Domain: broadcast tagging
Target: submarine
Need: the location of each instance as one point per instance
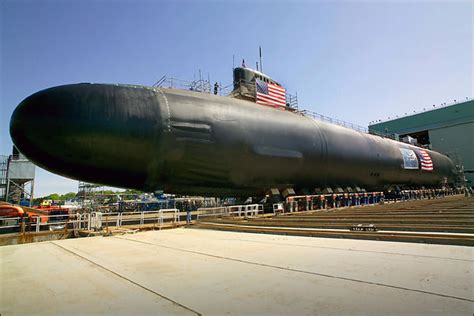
(189, 142)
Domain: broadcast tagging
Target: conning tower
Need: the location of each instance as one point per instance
(245, 83)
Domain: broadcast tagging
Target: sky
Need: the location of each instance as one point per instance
(355, 61)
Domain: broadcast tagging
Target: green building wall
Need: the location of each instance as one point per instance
(450, 130)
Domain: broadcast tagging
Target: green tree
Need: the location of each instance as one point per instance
(54, 197)
(68, 196)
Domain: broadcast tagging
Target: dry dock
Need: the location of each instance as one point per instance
(448, 220)
(190, 271)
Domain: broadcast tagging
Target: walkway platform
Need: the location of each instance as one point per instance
(195, 271)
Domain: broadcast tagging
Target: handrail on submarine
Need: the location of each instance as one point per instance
(160, 81)
(334, 121)
(200, 85)
(203, 85)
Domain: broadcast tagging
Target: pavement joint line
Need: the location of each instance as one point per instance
(301, 271)
(126, 279)
(336, 248)
(339, 230)
(350, 249)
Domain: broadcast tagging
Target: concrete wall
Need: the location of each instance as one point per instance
(29, 237)
(457, 142)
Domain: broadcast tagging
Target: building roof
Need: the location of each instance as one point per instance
(457, 113)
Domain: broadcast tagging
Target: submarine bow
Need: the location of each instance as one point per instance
(91, 132)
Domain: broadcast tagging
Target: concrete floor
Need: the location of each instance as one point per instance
(188, 271)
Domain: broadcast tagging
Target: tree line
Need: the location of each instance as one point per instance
(71, 195)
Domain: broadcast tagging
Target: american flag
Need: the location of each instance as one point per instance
(270, 94)
(426, 162)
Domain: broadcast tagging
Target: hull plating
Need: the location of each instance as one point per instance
(194, 143)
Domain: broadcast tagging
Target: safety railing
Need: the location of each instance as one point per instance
(246, 210)
(346, 199)
(8, 223)
(35, 223)
(98, 220)
(200, 85)
(247, 89)
(333, 200)
(226, 90)
(334, 121)
(212, 212)
(292, 100)
(90, 221)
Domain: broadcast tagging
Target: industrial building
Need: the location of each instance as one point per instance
(448, 129)
(17, 177)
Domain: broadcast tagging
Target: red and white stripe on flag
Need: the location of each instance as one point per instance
(270, 94)
(426, 162)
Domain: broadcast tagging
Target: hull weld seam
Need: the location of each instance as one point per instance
(168, 125)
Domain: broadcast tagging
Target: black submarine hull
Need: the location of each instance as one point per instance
(188, 142)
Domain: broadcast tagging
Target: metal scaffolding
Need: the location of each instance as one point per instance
(86, 193)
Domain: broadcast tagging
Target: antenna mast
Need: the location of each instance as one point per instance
(260, 51)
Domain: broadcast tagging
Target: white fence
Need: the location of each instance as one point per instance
(90, 221)
(96, 221)
(53, 222)
(249, 210)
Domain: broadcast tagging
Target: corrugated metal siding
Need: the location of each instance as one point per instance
(458, 143)
(442, 117)
(450, 129)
